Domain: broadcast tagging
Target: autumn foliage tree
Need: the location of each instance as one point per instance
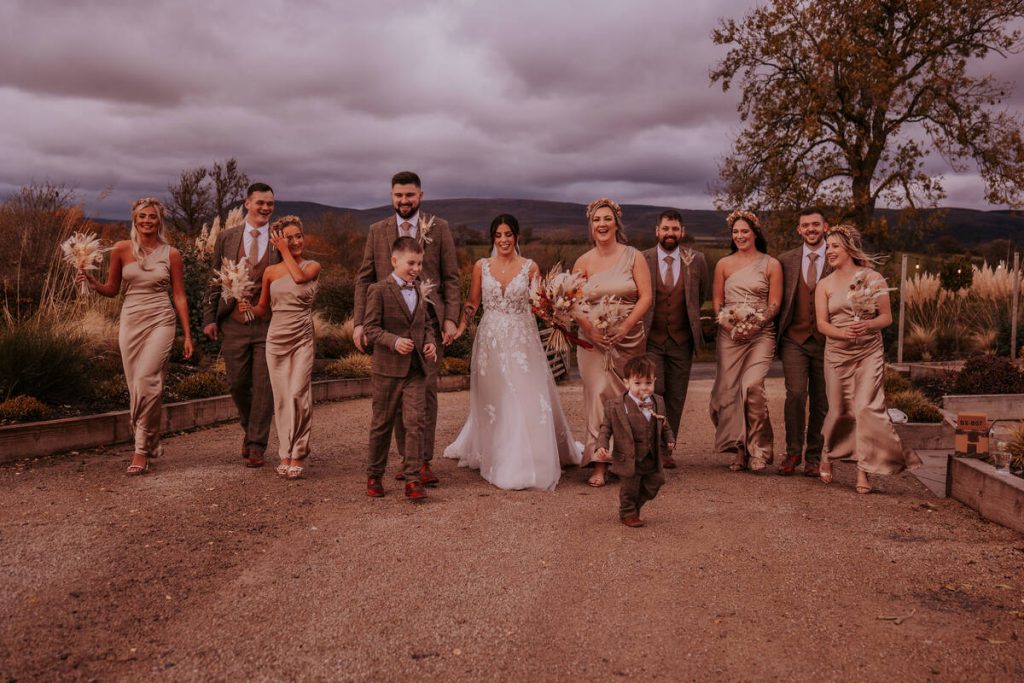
(844, 101)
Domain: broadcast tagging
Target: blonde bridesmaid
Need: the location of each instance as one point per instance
(856, 306)
(149, 265)
(289, 289)
(748, 279)
(612, 268)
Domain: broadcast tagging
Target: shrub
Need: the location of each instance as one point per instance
(178, 348)
(332, 340)
(463, 346)
(335, 297)
(454, 366)
(23, 409)
(352, 366)
(203, 384)
(957, 273)
(111, 390)
(989, 374)
(895, 382)
(914, 403)
(935, 385)
(39, 359)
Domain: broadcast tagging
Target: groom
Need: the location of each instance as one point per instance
(802, 347)
(680, 281)
(440, 266)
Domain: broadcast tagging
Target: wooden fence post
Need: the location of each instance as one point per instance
(1015, 306)
(903, 306)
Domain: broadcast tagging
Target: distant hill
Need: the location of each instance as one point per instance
(554, 220)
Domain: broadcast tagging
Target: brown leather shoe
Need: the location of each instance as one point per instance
(254, 459)
(427, 477)
(415, 491)
(789, 465)
(812, 469)
(633, 522)
(245, 449)
(668, 463)
(374, 487)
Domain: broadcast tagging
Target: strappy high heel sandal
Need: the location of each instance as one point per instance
(826, 477)
(135, 470)
(282, 469)
(294, 471)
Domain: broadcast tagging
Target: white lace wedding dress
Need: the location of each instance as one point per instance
(516, 433)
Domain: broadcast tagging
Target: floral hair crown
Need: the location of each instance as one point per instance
(149, 201)
(604, 201)
(748, 216)
(848, 231)
(285, 221)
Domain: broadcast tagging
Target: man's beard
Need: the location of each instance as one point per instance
(668, 243)
(409, 212)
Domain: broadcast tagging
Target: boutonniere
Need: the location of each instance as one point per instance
(687, 256)
(424, 229)
(426, 289)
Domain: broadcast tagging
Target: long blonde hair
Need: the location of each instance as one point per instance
(161, 237)
(850, 239)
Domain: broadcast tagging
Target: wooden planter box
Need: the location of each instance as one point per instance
(926, 436)
(996, 497)
(35, 439)
(993, 406)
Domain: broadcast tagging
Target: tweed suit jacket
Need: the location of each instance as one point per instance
(617, 427)
(791, 273)
(215, 308)
(696, 288)
(387, 319)
(440, 266)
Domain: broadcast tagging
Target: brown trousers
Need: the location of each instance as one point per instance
(244, 349)
(429, 431)
(404, 398)
(672, 363)
(641, 487)
(803, 366)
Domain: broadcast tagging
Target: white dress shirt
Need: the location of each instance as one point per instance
(409, 295)
(819, 265)
(264, 239)
(413, 219)
(663, 267)
(646, 411)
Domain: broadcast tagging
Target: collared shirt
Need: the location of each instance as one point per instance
(819, 265)
(264, 239)
(663, 267)
(414, 220)
(409, 295)
(646, 411)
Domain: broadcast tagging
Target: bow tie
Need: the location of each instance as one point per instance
(408, 285)
(647, 403)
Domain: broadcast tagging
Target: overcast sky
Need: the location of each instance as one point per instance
(325, 99)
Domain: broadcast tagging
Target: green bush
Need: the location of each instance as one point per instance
(352, 366)
(111, 390)
(38, 359)
(203, 384)
(335, 296)
(989, 374)
(23, 409)
(455, 366)
(957, 273)
(895, 382)
(915, 405)
(935, 386)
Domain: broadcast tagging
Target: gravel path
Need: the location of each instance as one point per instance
(204, 570)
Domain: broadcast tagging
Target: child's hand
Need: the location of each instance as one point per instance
(430, 351)
(602, 454)
(404, 346)
(671, 446)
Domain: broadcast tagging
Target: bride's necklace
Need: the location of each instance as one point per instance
(503, 267)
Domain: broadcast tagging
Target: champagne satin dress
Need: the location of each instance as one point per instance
(599, 382)
(739, 403)
(290, 354)
(857, 425)
(145, 338)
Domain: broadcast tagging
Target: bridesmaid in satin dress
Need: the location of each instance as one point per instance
(857, 425)
(739, 403)
(149, 265)
(289, 289)
(612, 268)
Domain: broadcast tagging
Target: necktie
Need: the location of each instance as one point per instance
(812, 270)
(254, 247)
(406, 229)
(670, 275)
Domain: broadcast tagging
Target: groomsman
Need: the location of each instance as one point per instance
(244, 344)
(440, 266)
(802, 347)
(681, 283)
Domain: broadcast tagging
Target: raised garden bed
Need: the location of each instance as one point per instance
(926, 436)
(35, 439)
(996, 497)
(993, 406)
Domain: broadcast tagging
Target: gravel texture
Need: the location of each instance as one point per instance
(205, 570)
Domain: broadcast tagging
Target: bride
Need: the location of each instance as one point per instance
(516, 432)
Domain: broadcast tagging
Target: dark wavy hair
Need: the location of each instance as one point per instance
(505, 219)
(760, 243)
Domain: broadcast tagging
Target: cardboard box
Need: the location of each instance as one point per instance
(971, 436)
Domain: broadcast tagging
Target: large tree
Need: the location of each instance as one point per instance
(844, 101)
(191, 204)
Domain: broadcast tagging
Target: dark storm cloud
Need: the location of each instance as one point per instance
(325, 100)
